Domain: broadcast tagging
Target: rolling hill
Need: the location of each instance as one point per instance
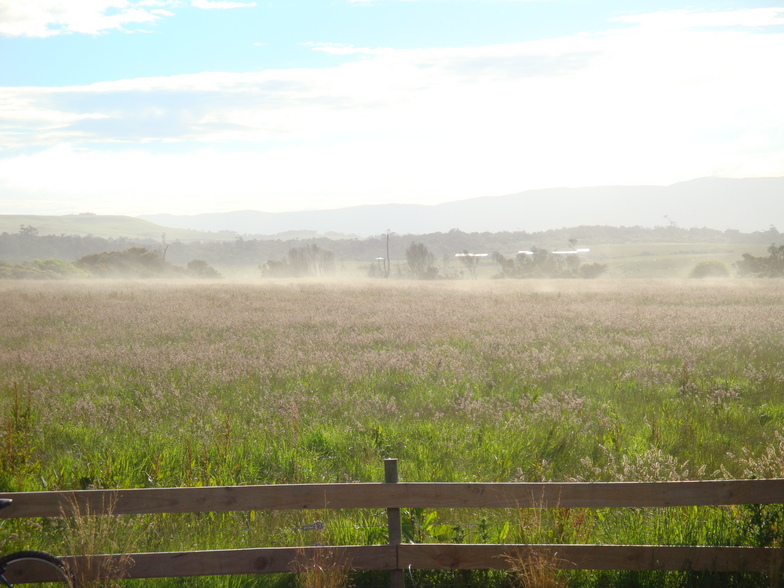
(106, 226)
(748, 204)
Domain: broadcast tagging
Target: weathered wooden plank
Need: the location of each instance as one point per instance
(194, 499)
(592, 557)
(402, 495)
(435, 557)
(27, 571)
(268, 560)
(592, 495)
(258, 561)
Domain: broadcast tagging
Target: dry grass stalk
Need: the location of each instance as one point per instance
(536, 568)
(101, 543)
(322, 567)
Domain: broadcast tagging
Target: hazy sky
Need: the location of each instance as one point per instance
(188, 106)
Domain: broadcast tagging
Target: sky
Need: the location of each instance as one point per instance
(194, 106)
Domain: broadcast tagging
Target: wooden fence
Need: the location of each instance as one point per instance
(397, 556)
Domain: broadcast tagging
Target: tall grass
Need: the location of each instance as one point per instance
(148, 384)
(87, 535)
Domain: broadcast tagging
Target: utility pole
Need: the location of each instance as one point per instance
(386, 261)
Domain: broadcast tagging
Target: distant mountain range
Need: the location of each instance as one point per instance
(748, 205)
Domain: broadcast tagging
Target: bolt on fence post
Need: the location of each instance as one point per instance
(397, 579)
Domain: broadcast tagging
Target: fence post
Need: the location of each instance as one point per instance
(397, 579)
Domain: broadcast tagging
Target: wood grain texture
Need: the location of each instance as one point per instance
(268, 560)
(402, 495)
(437, 557)
(592, 557)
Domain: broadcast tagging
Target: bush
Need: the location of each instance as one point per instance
(135, 262)
(770, 267)
(201, 269)
(709, 269)
(40, 269)
(592, 270)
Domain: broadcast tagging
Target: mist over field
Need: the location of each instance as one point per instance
(83, 246)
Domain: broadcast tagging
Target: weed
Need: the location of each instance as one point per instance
(322, 567)
(536, 568)
(100, 543)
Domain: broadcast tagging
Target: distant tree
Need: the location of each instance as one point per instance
(540, 263)
(420, 261)
(771, 266)
(323, 261)
(386, 259)
(499, 260)
(307, 260)
(28, 231)
(572, 263)
(377, 269)
(298, 261)
(506, 267)
(275, 269)
(543, 263)
(164, 246)
(470, 261)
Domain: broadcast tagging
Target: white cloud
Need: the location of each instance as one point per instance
(44, 18)
(444, 1)
(220, 4)
(342, 49)
(682, 19)
(625, 106)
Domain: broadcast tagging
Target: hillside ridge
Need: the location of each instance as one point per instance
(746, 204)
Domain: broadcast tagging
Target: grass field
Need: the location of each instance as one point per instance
(139, 384)
(668, 260)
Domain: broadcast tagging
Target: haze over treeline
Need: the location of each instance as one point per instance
(26, 245)
(356, 239)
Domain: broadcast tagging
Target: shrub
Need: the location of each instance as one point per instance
(592, 270)
(710, 269)
(40, 269)
(771, 266)
(202, 269)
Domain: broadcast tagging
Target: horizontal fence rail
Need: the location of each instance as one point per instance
(431, 556)
(396, 557)
(400, 495)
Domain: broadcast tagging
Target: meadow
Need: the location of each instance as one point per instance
(108, 384)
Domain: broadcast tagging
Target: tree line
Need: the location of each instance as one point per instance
(534, 263)
(423, 256)
(27, 245)
(135, 262)
(771, 266)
